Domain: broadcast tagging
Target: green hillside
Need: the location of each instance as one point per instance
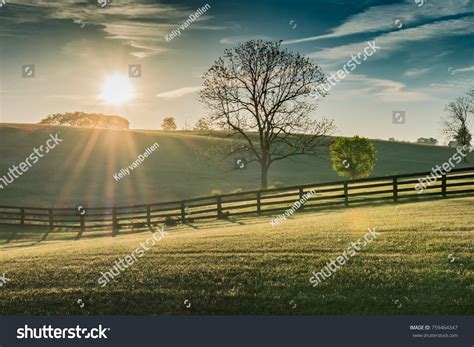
(79, 171)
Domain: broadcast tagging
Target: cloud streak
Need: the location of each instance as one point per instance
(385, 89)
(377, 18)
(396, 40)
(177, 93)
(465, 69)
(140, 26)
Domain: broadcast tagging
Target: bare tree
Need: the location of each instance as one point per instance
(260, 93)
(456, 124)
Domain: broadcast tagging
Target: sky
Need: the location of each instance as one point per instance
(425, 60)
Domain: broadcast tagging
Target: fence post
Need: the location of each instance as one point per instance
(443, 185)
(115, 224)
(301, 193)
(148, 216)
(183, 211)
(346, 194)
(395, 189)
(259, 209)
(219, 207)
(22, 216)
(83, 222)
(51, 222)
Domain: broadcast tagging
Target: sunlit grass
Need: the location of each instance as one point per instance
(247, 267)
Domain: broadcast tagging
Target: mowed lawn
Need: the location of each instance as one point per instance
(422, 263)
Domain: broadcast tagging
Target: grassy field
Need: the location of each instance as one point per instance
(80, 170)
(421, 263)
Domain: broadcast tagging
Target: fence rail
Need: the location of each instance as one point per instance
(395, 188)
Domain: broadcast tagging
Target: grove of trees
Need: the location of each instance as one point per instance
(427, 141)
(82, 119)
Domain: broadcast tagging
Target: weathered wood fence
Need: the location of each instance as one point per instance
(458, 181)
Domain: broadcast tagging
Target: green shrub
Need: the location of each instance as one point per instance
(353, 157)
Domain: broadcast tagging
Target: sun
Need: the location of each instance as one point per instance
(116, 90)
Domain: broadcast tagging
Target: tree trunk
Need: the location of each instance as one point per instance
(264, 177)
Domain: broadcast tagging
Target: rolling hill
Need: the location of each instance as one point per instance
(80, 170)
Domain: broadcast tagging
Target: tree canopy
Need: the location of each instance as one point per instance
(90, 120)
(353, 157)
(202, 124)
(168, 124)
(261, 92)
(456, 123)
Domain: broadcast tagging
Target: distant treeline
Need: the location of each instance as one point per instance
(90, 120)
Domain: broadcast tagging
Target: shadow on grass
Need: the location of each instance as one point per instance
(44, 237)
(10, 234)
(235, 221)
(20, 236)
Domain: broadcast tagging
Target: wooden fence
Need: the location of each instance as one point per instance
(458, 181)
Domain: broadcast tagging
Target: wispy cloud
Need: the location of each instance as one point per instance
(417, 72)
(141, 26)
(465, 69)
(394, 41)
(456, 87)
(381, 18)
(384, 89)
(177, 93)
(443, 85)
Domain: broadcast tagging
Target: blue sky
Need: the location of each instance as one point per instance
(425, 57)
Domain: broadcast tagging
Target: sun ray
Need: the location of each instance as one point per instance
(71, 183)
